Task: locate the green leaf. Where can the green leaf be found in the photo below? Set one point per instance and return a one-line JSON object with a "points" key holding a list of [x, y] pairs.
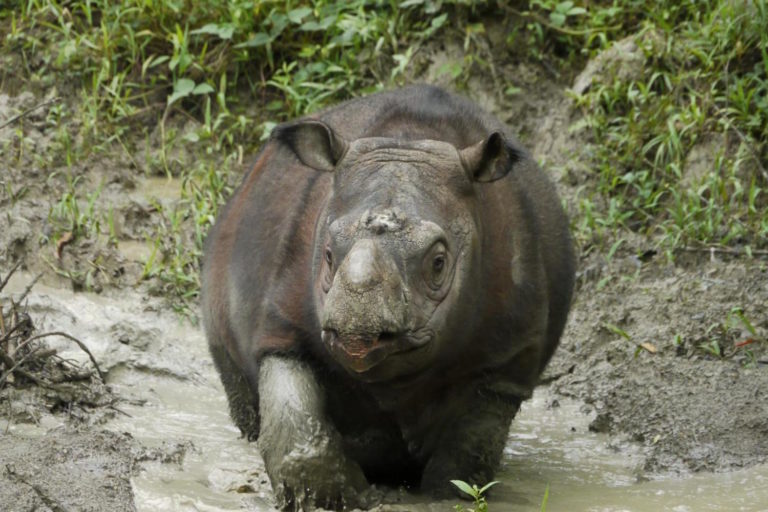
{"points": [[296, 15], [310, 26], [327, 21], [257, 40], [151, 62], [279, 22], [739, 313], [181, 89], [267, 127], [545, 499], [557, 18], [191, 137], [308, 51], [224, 30], [464, 487], [453, 68], [616, 330], [487, 486], [436, 24], [564, 7], [202, 88]]}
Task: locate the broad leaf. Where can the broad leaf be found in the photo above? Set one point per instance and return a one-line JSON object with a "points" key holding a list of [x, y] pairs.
{"points": [[181, 89], [464, 487]]}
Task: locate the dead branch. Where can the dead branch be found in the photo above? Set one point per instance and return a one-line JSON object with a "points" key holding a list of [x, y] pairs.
{"points": [[8, 277], [71, 338], [16, 326], [18, 363], [28, 288], [28, 111]]}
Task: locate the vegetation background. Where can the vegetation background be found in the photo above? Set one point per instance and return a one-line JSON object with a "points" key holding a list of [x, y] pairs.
{"points": [[189, 90]]}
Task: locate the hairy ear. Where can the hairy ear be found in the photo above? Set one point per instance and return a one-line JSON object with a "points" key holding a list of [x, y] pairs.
{"points": [[314, 143], [490, 159]]}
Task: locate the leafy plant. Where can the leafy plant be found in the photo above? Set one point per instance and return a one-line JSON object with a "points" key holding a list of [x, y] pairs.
{"points": [[476, 493]]}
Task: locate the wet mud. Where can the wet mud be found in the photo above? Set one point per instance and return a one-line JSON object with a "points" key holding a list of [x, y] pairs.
{"points": [[170, 435], [638, 352], [67, 469]]}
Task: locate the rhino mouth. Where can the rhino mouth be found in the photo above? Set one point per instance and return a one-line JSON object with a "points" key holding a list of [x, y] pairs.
{"points": [[360, 353]]}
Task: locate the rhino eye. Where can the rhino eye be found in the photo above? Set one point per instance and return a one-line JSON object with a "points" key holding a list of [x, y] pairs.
{"points": [[436, 266], [327, 271]]}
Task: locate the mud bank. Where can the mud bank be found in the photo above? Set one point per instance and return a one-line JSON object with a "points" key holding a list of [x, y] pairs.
{"points": [[67, 469], [667, 356]]}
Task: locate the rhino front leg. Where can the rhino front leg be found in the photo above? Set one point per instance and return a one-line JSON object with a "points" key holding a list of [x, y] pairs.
{"points": [[302, 451], [470, 448]]}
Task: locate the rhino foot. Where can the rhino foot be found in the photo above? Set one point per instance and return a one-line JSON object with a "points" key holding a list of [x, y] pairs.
{"points": [[309, 480]]}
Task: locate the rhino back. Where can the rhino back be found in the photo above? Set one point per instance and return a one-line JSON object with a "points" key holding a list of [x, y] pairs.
{"points": [[415, 112]]}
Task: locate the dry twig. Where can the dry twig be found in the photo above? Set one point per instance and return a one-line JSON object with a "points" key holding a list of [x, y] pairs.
{"points": [[21, 356], [28, 111], [71, 338], [8, 277]]}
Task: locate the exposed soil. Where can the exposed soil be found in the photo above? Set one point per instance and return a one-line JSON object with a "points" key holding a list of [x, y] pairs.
{"points": [[638, 350], [691, 410], [67, 469]]}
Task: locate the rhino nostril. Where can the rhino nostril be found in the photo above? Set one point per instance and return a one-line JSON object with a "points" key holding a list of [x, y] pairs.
{"points": [[329, 336], [388, 336]]}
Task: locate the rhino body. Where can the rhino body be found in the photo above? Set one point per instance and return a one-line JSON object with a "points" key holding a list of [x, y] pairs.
{"points": [[382, 292]]}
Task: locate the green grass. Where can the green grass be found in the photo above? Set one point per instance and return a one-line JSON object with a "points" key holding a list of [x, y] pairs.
{"points": [[179, 239], [74, 215], [287, 57], [705, 80], [140, 70]]}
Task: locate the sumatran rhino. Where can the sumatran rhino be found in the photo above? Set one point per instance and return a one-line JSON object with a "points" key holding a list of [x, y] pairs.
{"points": [[381, 293]]}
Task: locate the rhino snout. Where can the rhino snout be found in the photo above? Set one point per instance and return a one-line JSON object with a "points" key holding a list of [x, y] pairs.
{"points": [[365, 316]]}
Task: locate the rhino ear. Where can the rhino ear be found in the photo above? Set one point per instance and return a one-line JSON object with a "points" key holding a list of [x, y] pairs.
{"points": [[489, 159], [314, 143]]}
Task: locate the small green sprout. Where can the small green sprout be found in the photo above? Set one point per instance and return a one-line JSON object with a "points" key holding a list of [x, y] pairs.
{"points": [[477, 493]]}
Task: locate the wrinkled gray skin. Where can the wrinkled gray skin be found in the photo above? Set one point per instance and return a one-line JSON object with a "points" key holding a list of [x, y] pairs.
{"points": [[382, 292]]}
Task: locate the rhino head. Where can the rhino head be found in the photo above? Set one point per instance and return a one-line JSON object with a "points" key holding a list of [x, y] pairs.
{"points": [[396, 249]]}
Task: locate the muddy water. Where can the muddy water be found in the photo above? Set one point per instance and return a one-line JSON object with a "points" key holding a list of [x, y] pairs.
{"points": [[174, 403]]}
